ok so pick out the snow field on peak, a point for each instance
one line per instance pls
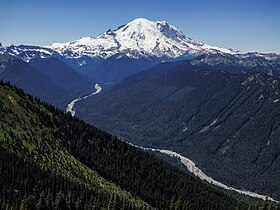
(149, 38)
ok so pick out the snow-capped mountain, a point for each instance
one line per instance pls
(138, 37)
(137, 46)
(27, 53)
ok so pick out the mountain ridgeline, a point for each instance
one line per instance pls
(136, 46)
(50, 79)
(50, 160)
(228, 124)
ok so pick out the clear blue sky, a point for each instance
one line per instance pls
(246, 25)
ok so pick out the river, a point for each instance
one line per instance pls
(199, 173)
(70, 106)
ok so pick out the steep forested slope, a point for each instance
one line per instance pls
(36, 167)
(49, 160)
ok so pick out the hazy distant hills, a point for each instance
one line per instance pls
(30, 79)
(49, 79)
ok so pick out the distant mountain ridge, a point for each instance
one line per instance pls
(50, 79)
(110, 56)
(140, 37)
(146, 37)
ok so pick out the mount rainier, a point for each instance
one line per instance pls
(147, 38)
(138, 45)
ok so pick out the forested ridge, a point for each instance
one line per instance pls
(35, 166)
(50, 160)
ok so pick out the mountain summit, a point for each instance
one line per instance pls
(138, 45)
(136, 38)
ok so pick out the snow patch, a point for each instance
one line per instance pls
(83, 63)
(185, 129)
(248, 80)
(205, 128)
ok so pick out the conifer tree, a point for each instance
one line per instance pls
(28, 203)
(41, 204)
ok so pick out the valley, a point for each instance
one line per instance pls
(227, 124)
